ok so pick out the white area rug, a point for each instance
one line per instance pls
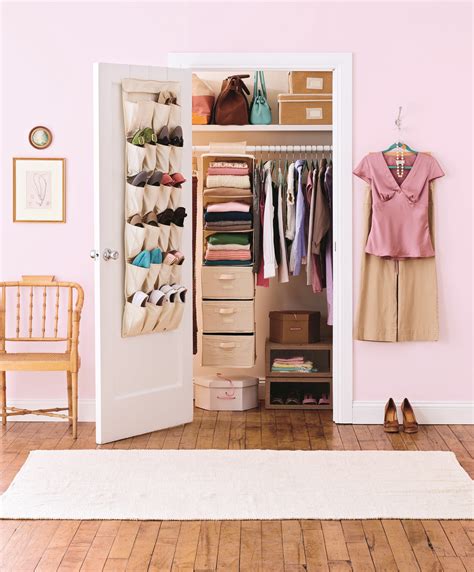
(253, 484)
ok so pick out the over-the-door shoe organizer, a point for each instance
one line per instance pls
(154, 217)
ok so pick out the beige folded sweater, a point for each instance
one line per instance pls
(235, 181)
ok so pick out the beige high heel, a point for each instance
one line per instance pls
(410, 424)
(390, 423)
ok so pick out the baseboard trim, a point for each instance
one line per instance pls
(427, 412)
(363, 412)
(86, 409)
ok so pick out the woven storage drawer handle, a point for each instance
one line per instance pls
(227, 277)
(295, 329)
(227, 310)
(227, 345)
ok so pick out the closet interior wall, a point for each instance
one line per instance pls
(295, 295)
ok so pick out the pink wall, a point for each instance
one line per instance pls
(422, 62)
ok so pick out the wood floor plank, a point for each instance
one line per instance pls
(208, 545)
(16, 545)
(165, 547)
(348, 438)
(334, 540)
(458, 538)
(359, 554)
(424, 552)
(228, 556)
(186, 547)
(143, 546)
(251, 546)
(191, 432)
(7, 529)
(124, 540)
(293, 543)
(222, 431)
(58, 545)
(98, 552)
(253, 429)
(452, 564)
(437, 538)
(77, 551)
(39, 539)
(272, 546)
(285, 439)
(379, 547)
(269, 429)
(206, 430)
(300, 431)
(237, 431)
(315, 548)
(400, 546)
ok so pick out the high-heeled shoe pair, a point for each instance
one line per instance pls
(391, 424)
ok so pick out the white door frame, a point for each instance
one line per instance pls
(341, 64)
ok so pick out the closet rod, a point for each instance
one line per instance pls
(268, 149)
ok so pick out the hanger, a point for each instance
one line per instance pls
(398, 144)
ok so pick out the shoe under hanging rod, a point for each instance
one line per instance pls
(268, 149)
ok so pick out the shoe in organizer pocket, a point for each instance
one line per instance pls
(135, 159)
(138, 115)
(133, 319)
(151, 281)
(134, 239)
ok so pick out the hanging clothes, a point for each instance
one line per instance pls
(398, 299)
(309, 197)
(269, 258)
(329, 248)
(315, 262)
(283, 266)
(257, 231)
(290, 228)
(261, 280)
(298, 248)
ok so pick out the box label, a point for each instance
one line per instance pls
(314, 113)
(314, 83)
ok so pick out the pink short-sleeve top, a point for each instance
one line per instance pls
(400, 226)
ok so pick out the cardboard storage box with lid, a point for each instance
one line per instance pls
(297, 327)
(220, 392)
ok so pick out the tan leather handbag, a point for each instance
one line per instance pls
(232, 106)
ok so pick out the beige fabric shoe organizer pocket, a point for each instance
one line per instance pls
(141, 110)
(133, 200)
(228, 350)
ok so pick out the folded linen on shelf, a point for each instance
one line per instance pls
(228, 226)
(227, 263)
(229, 238)
(228, 246)
(293, 365)
(226, 216)
(227, 171)
(227, 192)
(228, 164)
(234, 206)
(228, 255)
(235, 181)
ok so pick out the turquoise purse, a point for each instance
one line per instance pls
(260, 112)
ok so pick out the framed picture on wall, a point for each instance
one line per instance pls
(39, 190)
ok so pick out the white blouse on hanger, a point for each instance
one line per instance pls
(269, 260)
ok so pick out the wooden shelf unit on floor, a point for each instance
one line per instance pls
(323, 376)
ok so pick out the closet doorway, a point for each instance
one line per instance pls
(144, 382)
(213, 68)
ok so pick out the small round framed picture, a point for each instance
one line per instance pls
(40, 137)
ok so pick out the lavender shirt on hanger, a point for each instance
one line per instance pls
(298, 248)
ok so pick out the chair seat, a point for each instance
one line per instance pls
(35, 362)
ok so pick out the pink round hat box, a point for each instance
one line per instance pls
(225, 393)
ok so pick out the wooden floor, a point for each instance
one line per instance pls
(272, 546)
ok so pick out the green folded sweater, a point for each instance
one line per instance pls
(229, 238)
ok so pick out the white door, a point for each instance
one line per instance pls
(143, 383)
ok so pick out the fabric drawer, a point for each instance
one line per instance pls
(228, 317)
(227, 282)
(228, 350)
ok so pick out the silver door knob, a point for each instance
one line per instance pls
(94, 254)
(110, 254)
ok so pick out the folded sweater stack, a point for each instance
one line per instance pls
(293, 365)
(232, 215)
(226, 249)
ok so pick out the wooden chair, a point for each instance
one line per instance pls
(41, 297)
